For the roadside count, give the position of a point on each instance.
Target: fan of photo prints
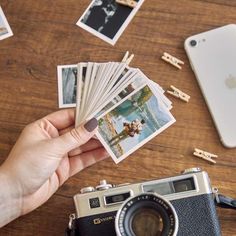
(130, 108)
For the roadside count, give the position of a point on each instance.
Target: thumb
(75, 138)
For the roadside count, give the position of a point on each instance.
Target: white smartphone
(212, 55)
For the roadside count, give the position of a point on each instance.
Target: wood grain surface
(45, 35)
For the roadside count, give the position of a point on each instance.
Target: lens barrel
(146, 214)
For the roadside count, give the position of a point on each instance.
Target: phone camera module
(193, 43)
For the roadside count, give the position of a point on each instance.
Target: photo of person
(107, 19)
(132, 122)
(99, 14)
(5, 30)
(129, 130)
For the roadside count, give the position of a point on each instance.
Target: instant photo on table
(107, 19)
(5, 30)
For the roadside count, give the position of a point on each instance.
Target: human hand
(46, 154)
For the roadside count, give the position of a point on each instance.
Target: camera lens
(149, 218)
(193, 43)
(147, 214)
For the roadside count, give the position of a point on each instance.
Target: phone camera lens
(193, 43)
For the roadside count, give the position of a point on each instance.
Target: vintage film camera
(181, 205)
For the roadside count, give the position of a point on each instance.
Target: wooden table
(45, 35)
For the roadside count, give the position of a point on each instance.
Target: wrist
(10, 199)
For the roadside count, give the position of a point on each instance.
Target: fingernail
(91, 125)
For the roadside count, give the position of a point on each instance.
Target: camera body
(190, 194)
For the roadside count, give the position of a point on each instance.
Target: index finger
(61, 119)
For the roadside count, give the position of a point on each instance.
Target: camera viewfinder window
(184, 185)
(117, 198)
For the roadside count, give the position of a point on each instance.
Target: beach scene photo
(133, 122)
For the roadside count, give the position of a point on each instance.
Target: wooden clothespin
(127, 58)
(205, 155)
(179, 94)
(172, 60)
(128, 3)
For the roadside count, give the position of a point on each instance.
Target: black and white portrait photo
(107, 19)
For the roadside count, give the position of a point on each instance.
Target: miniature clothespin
(205, 155)
(172, 60)
(128, 3)
(179, 94)
(127, 58)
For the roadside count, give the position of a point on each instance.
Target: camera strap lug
(224, 201)
(71, 219)
(70, 231)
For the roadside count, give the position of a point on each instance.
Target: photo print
(5, 30)
(133, 122)
(67, 85)
(107, 19)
